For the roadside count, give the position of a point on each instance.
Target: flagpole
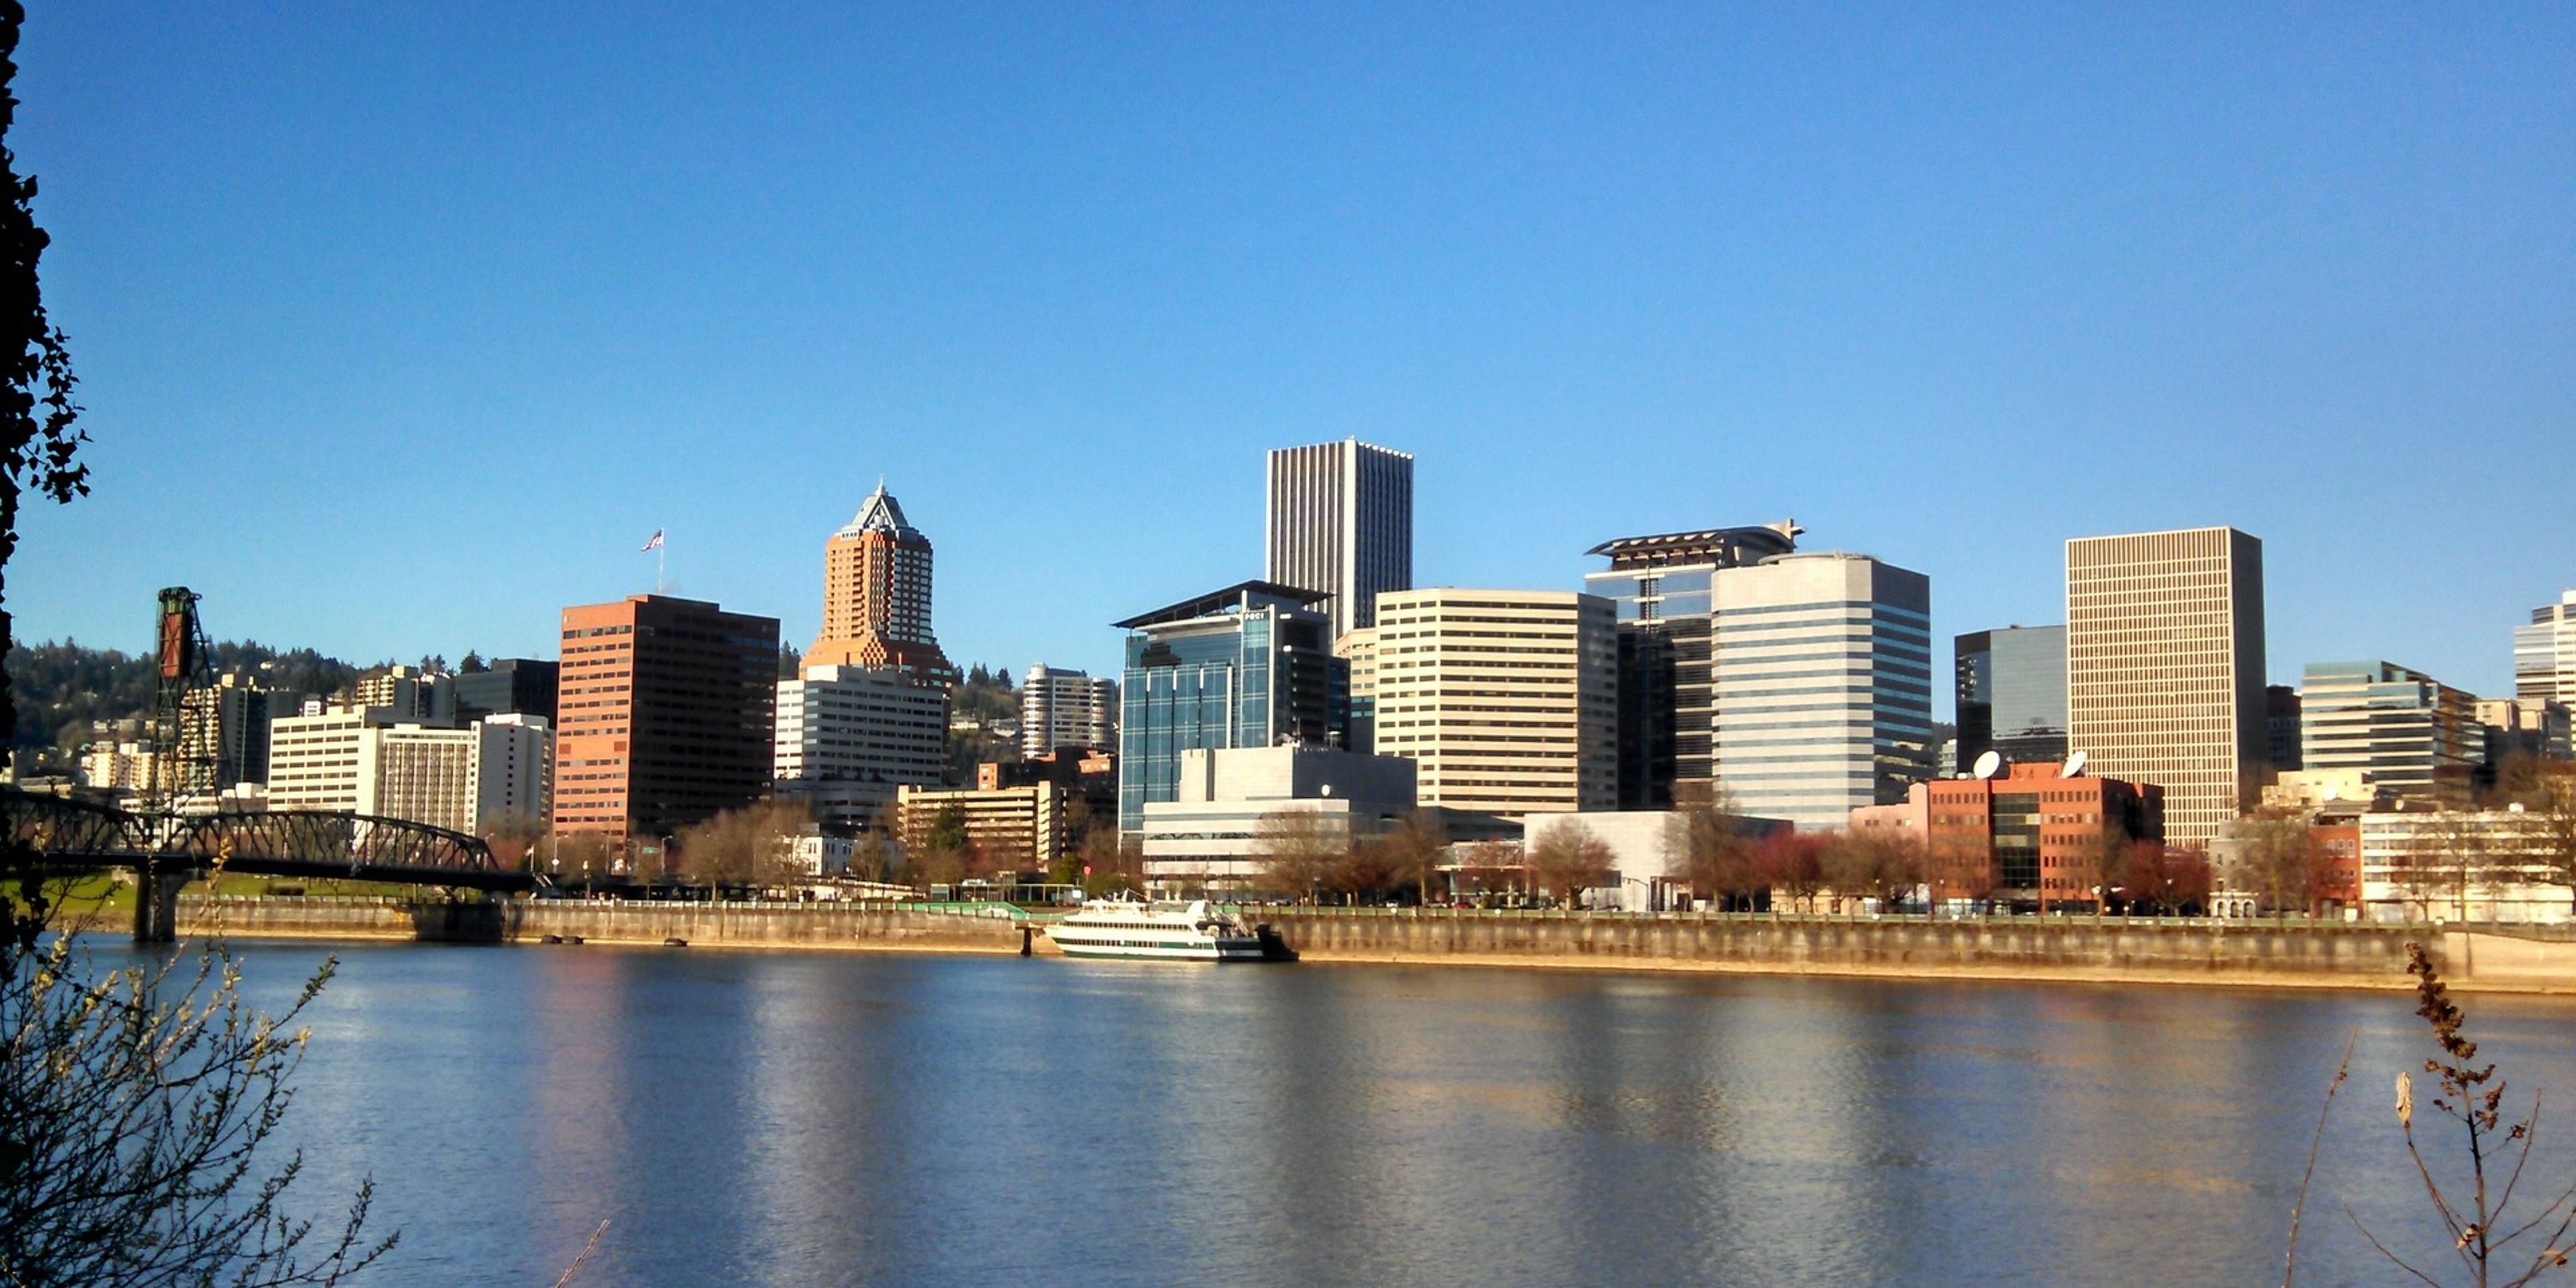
(660, 552)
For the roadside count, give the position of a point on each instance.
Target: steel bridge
(166, 851)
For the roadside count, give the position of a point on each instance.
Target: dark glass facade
(524, 686)
(2011, 689)
(1250, 671)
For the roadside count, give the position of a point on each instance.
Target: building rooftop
(1217, 601)
(880, 513)
(1728, 547)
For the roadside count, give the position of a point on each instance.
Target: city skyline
(1847, 314)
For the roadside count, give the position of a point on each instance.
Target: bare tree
(2277, 861)
(1366, 870)
(2547, 795)
(1298, 851)
(1411, 850)
(136, 1111)
(1569, 859)
(515, 838)
(753, 845)
(1718, 853)
(2461, 857)
(1794, 864)
(2169, 877)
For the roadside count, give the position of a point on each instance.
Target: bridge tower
(181, 765)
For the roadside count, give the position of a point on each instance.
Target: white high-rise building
(1341, 523)
(2164, 669)
(1505, 700)
(1821, 679)
(367, 760)
(2544, 653)
(1060, 708)
(849, 735)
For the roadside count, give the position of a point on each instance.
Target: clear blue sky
(403, 327)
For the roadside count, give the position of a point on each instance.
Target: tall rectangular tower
(1505, 700)
(667, 710)
(2544, 653)
(2164, 668)
(1341, 524)
(1822, 686)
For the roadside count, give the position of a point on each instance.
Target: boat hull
(1135, 948)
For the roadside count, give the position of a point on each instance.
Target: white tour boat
(1163, 929)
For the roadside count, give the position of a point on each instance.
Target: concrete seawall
(800, 926)
(2204, 953)
(2210, 952)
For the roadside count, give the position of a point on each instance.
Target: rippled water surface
(783, 1119)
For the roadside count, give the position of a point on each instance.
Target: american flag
(656, 542)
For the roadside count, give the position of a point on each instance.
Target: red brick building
(2031, 835)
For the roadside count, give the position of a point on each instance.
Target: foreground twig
(2290, 1259)
(575, 1267)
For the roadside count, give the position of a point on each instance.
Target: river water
(751, 1118)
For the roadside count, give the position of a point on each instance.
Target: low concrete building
(1212, 837)
(2459, 865)
(1649, 853)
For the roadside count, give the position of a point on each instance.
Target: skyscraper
(1800, 683)
(667, 710)
(1247, 666)
(2544, 653)
(2407, 733)
(876, 596)
(1341, 524)
(1664, 589)
(1061, 708)
(2164, 668)
(1823, 686)
(2012, 693)
(1505, 700)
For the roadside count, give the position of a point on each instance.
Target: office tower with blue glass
(1340, 522)
(2012, 693)
(1799, 684)
(1251, 665)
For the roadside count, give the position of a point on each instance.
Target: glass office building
(2012, 694)
(1251, 665)
(1801, 684)
(1662, 587)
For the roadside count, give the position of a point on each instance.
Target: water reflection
(859, 1119)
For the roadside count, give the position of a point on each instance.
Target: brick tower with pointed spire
(876, 596)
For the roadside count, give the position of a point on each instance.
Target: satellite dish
(2332, 792)
(2074, 765)
(1990, 764)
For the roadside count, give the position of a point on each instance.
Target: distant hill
(62, 687)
